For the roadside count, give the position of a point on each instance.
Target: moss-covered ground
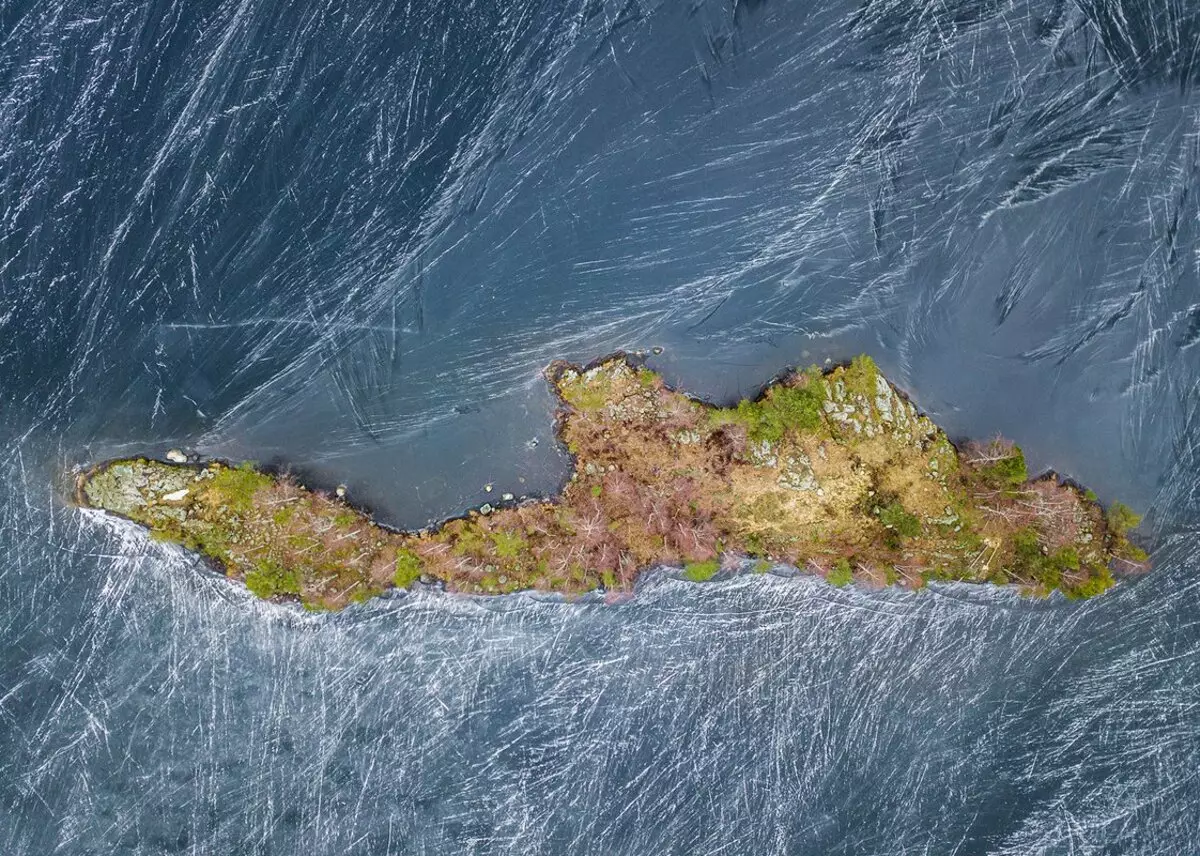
(834, 472)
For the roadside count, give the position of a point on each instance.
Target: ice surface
(349, 236)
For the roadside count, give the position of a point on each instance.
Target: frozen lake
(348, 237)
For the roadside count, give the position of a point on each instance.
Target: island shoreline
(765, 447)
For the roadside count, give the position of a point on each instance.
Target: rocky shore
(831, 471)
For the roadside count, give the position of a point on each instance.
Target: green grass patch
(408, 568)
(699, 572)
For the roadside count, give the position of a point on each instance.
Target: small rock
(507, 497)
(341, 491)
(486, 509)
(175, 495)
(820, 491)
(176, 457)
(503, 579)
(488, 487)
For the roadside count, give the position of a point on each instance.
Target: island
(830, 471)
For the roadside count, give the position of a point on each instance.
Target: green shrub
(1099, 581)
(840, 574)
(269, 578)
(698, 572)
(782, 409)
(1007, 472)
(408, 568)
(1121, 518)
(1031, 564)
(860, 376)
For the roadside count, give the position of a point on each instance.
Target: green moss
(699, 572)
(508, 545)
(894, 517)
(469, 542)
(597, 490)
(345, 519)
(609, 579)
(587, 394)
(166, 536)
(236, 487)
(408, 568)
(840, 574)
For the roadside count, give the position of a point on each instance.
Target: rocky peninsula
(835, 472)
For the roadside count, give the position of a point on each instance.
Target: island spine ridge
(831, 471)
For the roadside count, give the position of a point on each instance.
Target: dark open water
(348, 235)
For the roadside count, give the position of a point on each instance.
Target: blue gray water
(348, 236)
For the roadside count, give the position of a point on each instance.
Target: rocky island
(832, 471)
